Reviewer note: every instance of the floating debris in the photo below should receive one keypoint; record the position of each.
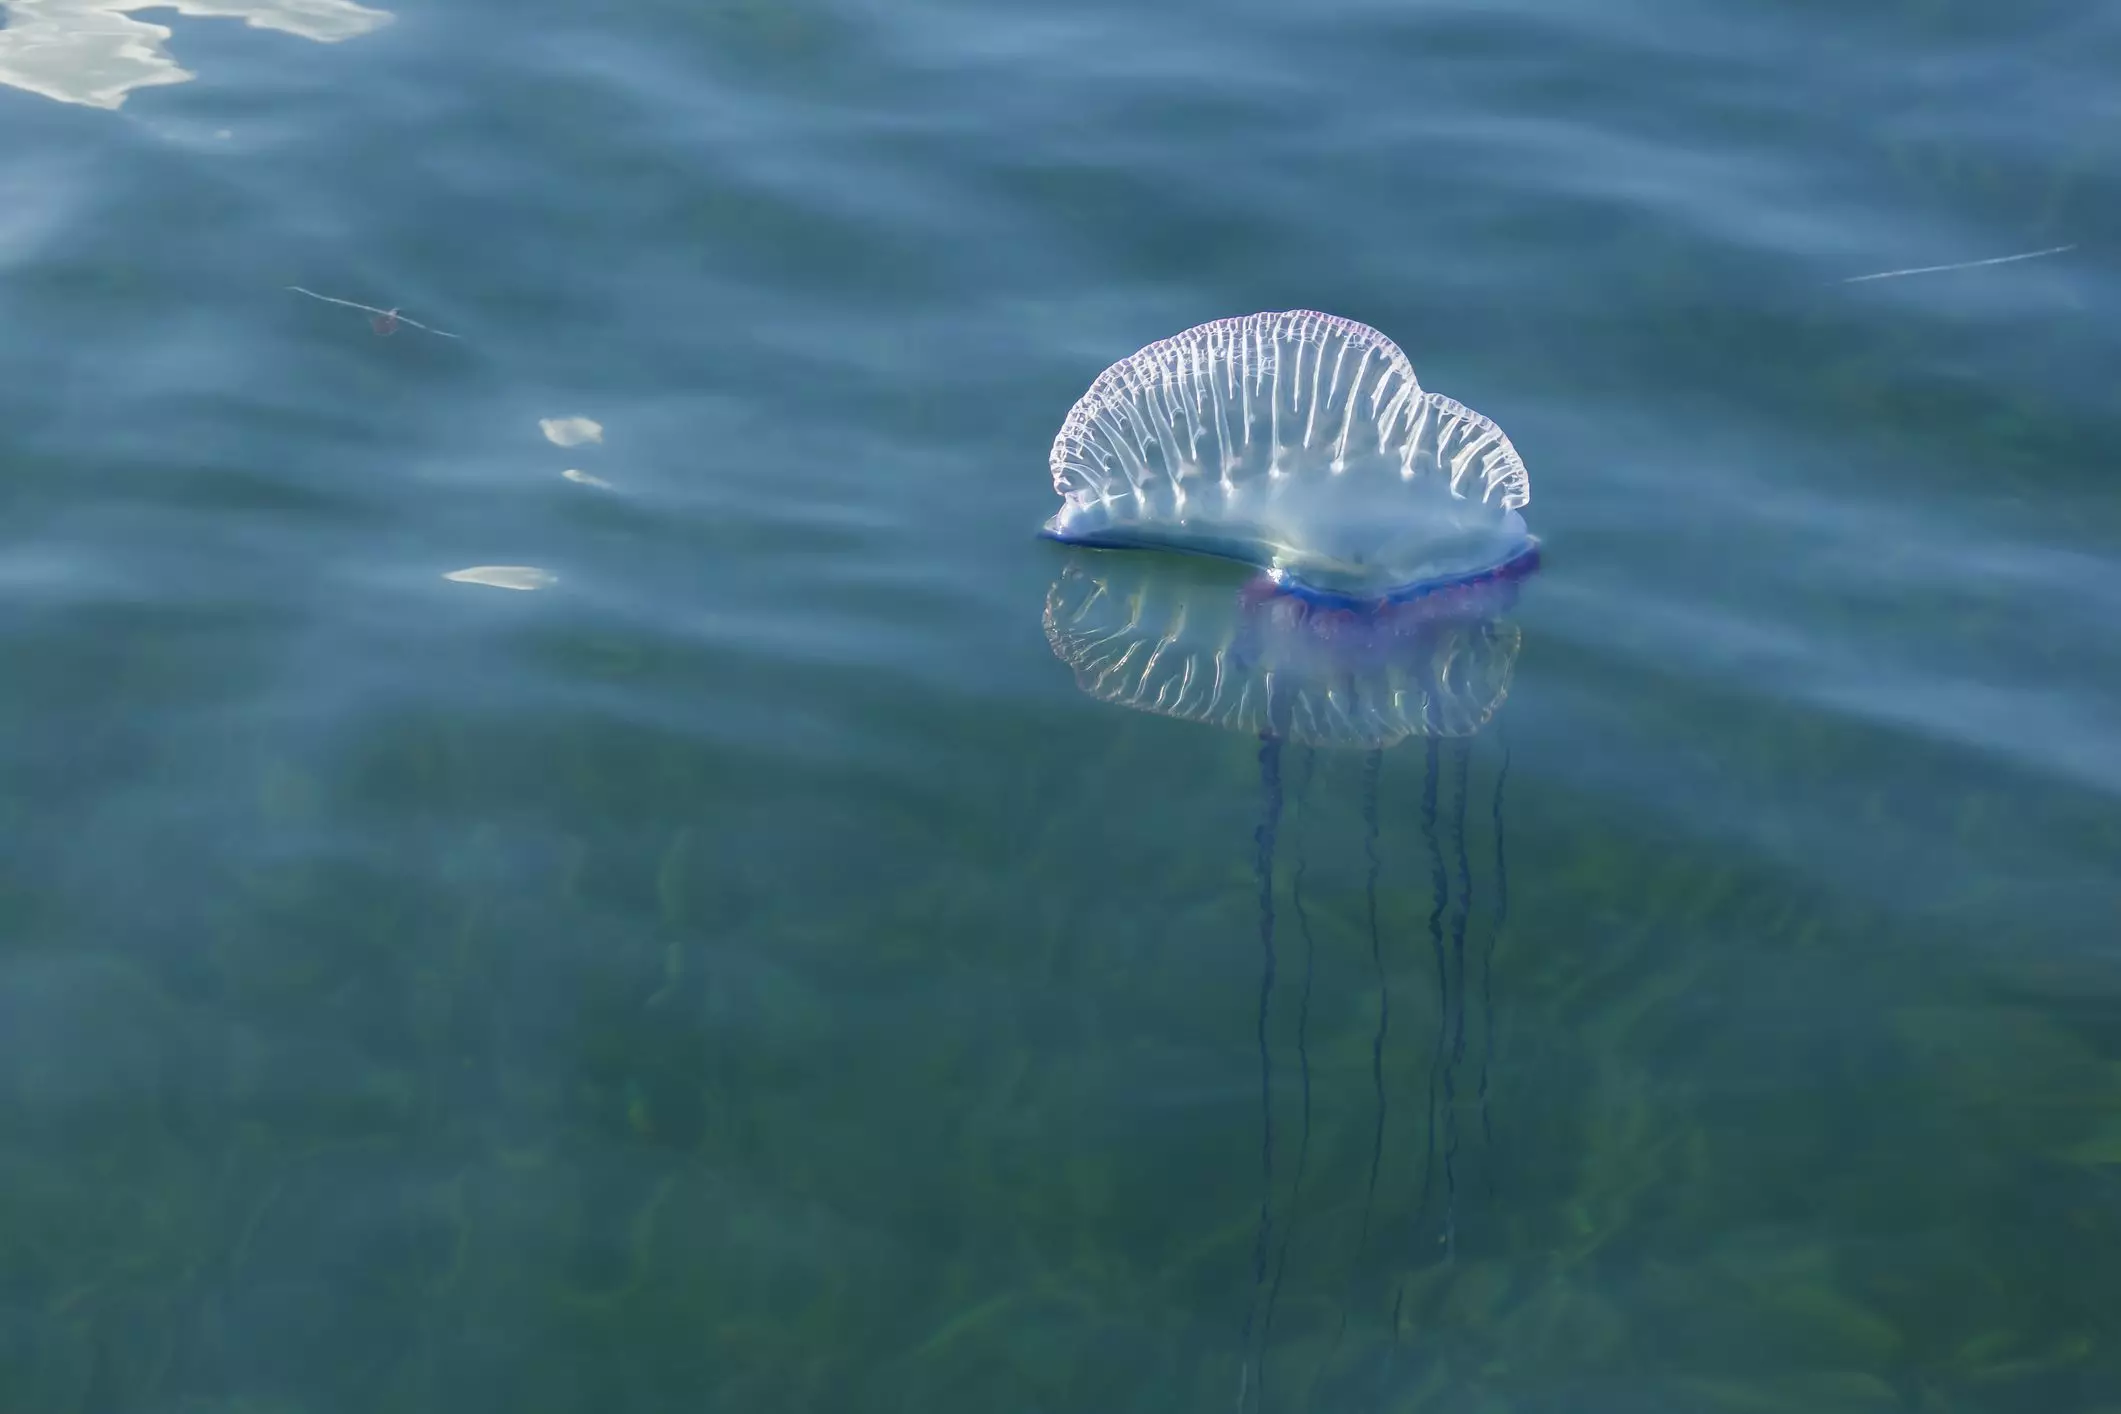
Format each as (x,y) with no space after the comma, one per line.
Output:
(524,577)
(583,478)
(1961,265)
(570,431)
(386,321)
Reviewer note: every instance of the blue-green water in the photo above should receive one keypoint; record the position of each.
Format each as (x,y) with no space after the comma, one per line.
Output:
(747,973)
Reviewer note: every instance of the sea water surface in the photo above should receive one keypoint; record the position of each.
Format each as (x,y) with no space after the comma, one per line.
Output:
(558,869)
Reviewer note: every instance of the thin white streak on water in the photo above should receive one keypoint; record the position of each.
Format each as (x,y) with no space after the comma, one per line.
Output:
(522,577)
(1961,265)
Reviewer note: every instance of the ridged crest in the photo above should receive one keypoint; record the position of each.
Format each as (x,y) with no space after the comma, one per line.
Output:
(1196,419)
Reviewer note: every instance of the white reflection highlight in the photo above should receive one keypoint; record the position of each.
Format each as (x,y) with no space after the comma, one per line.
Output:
(523,577)
(570,431)
(583,478)
(93,52)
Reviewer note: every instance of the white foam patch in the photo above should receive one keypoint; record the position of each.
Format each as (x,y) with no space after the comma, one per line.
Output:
(523,577)
(570,431)
(93,52)
(583,478)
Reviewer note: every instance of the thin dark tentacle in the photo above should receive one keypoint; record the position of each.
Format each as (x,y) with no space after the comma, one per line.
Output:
(1372,770)
(1461,911)
(1372,775)
(1487,968)
(1438,890)
(1303,1060)
(1263,867)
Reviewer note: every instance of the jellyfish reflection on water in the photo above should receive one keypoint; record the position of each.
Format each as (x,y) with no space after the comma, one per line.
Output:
(1384,524)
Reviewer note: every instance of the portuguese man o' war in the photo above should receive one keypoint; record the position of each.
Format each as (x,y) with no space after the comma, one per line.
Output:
(1298,442)
(1383,523)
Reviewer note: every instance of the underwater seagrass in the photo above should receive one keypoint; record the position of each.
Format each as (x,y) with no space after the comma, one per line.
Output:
(1383,521)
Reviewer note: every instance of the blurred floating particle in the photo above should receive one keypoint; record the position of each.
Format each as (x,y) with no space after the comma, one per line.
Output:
(583,478)
(570,431)
(523,577)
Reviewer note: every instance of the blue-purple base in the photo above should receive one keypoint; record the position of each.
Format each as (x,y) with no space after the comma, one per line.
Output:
(1516,567)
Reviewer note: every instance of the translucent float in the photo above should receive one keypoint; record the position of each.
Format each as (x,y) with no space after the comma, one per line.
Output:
(1298,442)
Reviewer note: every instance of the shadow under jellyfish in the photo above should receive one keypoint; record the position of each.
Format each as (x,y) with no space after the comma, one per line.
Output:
(1382,522)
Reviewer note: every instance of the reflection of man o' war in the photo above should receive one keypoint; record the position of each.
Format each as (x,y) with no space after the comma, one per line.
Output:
(1164,636)
(1298,442)
(1148,635)
(93,52)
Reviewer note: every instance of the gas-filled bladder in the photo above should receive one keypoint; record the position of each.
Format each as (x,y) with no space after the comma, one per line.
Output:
(1298,442)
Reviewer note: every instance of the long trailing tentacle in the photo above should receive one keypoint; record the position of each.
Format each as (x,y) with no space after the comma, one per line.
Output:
(1372,776)
(1487,966)
(1263,866)
(1372,771)
(1303,1059)
(1461,911)
(1438,890)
